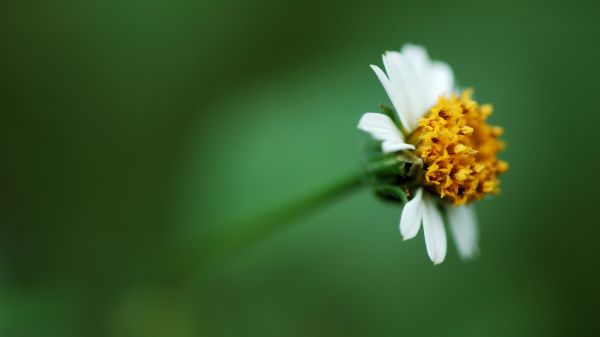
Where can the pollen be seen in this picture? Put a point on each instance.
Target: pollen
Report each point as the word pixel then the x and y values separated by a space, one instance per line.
pixel 459 149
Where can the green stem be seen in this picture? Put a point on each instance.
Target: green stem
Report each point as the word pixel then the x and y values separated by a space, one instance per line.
pixel 209 251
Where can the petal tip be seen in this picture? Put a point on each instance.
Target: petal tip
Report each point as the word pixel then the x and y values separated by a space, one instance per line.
pixel 437 261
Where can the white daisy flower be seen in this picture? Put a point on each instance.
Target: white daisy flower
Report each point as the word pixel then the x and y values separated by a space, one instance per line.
pixel 448 132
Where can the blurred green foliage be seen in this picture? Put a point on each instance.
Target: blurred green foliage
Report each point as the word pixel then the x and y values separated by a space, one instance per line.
pixel 128 125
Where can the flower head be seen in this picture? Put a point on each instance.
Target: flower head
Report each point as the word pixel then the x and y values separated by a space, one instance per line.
pixel 446 136
pixel 459 149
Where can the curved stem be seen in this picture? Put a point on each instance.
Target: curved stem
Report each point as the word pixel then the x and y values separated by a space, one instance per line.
pixel 198 256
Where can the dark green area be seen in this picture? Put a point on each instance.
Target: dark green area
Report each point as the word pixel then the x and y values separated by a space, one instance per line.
pixel 129 125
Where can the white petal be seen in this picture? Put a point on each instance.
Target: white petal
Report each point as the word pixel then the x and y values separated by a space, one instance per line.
pixel 418 59
pixel 410 221
pixel 419 65
pixel 438 76
pixel 402 78
pixel 463 225
pixel 396 95
pixel 414 82
pixel 442 81
pixel 381 127
pixel 390 146
pixel 433 228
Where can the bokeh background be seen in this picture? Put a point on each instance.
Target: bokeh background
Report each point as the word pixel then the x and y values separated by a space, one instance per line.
pixel 127 125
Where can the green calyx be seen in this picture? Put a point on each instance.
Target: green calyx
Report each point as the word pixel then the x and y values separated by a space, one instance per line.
pixel 393 176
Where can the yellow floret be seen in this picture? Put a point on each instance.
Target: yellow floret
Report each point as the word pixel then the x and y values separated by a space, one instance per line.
pixel 459 149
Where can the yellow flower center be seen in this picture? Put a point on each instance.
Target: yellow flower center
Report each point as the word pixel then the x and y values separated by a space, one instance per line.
pixel 459 149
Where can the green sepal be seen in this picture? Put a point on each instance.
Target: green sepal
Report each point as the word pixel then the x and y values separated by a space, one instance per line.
pixel 392 192
pixel 392 175
pixel 387 165
pixel 395 165
pixel 415 170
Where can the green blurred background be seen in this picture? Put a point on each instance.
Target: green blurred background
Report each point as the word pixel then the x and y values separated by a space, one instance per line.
pixel 127 124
